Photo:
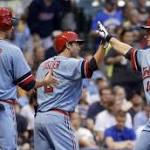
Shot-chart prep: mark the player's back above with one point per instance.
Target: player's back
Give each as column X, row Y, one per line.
column 10, row 69
column 6, row 75
column 66, row 94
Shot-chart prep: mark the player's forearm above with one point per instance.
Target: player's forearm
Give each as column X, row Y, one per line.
column 99, row 55
column 117, row 145
column 119, row 46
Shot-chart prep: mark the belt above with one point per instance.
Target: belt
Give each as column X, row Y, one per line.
column 61, row 111
column 9, row 101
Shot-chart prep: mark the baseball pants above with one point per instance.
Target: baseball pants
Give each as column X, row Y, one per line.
column 8, row 131
column 53, row 132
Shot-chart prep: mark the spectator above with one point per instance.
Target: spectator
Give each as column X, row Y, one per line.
column 38, row 56
column 50, row 52
column 85, row 137
column 97, row 107
column 83, row 104
column 22, row 33
column 142, row 9
column 110, row 16
column 120, row 95
column 101, row 83
column 44, row 18
column 142, row 117
column 119, row 136
column 106, row 118
column 137, row 105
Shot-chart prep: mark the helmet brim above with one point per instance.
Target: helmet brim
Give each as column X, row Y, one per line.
column 80, row 41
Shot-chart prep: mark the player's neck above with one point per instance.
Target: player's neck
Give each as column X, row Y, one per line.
column 65, row 53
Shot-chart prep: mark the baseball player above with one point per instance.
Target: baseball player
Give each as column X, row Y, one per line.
column 14, row 71
column 53, row 129
column 140, row 60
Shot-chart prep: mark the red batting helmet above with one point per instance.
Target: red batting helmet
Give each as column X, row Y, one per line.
column 6, row 19
column 66, row 37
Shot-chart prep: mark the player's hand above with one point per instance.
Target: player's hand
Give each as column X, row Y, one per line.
column 50, row 80
column 102, row 30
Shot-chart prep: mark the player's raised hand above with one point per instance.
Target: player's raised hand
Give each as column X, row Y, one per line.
column 50, row 80
column 103, row 32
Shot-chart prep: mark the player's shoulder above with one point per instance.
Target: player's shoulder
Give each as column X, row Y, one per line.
column 9, row 45
column 46, row 61
column 10, row 48
column 75, row 60
column 143, row 52
column 45, row 64
column 67, row 60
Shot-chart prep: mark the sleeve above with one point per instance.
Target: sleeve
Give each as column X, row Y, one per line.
column 86, row 70
column 22, row 75
column 135, row 58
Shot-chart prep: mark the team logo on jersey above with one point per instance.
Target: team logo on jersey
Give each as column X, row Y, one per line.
column 146, row 72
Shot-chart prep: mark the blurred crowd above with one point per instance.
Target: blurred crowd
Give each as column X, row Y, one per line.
column 112, row 110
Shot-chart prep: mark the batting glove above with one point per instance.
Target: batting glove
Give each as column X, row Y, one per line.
column 103, row 32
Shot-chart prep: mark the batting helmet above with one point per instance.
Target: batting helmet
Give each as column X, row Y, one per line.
column 6, row 19
column 66, row 37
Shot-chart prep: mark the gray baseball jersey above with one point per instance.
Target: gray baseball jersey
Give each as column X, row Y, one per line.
column 140, row 60
column 14, row 70
column 69, row 72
